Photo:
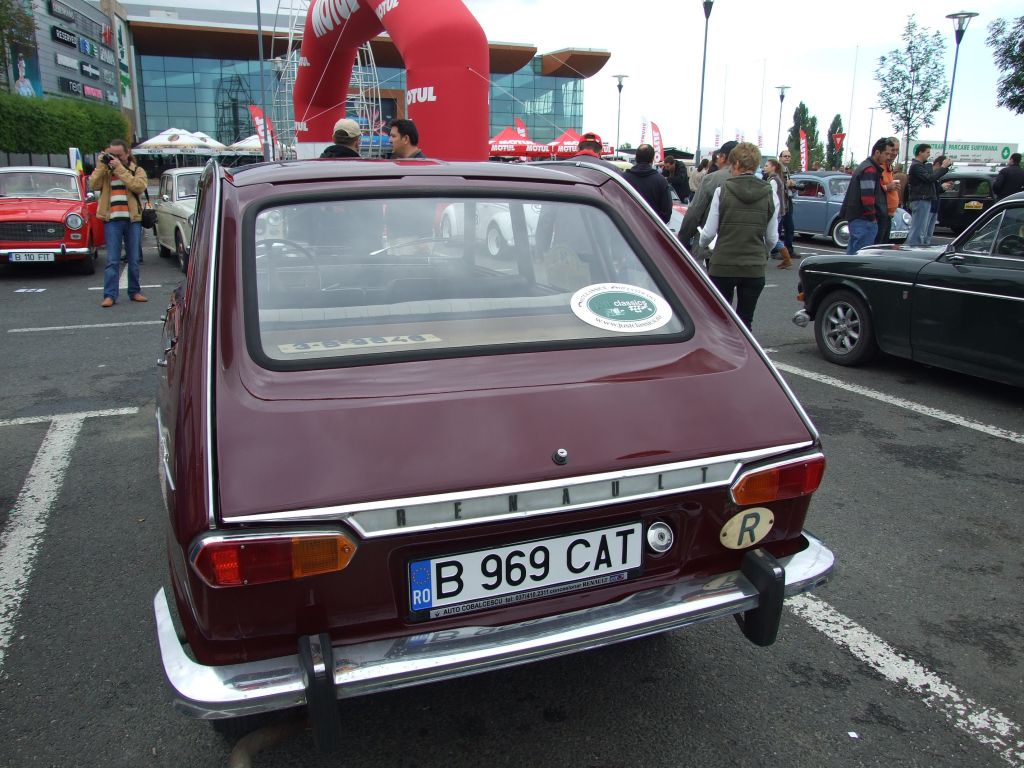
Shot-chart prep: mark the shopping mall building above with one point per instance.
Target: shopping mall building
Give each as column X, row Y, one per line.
column 200, row 70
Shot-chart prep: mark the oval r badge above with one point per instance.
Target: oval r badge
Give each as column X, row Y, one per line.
column 747, row 528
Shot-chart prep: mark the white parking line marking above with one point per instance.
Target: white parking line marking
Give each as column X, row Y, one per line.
column 78, row 415
column 20, row 539
column 100, row 287
column 23, row 534
column 899, row 402
column 986, row 725
column 77, row 327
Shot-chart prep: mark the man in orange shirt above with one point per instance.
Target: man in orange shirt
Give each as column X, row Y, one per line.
column 891, row 187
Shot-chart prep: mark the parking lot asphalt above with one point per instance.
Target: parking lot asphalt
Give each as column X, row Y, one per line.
column 910, row 656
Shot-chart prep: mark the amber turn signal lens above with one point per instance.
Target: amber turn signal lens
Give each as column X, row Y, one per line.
column 800, row 297
column 784, row 481
column 232, row 561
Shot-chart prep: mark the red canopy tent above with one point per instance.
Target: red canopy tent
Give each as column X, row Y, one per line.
column 566, row 145
column 508, row 143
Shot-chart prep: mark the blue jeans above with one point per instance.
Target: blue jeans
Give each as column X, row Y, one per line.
column 862, row 234
column 129, row 233
column 921, row 214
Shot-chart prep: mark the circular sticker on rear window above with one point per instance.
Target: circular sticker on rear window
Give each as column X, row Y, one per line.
column 620, row 308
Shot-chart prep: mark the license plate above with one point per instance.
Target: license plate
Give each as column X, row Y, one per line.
column 31, row 257
column 486, row 578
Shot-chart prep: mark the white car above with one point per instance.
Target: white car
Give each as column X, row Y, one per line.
column 493, row 224
column 175, row 205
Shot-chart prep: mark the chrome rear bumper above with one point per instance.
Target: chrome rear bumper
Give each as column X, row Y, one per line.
column 241, row 689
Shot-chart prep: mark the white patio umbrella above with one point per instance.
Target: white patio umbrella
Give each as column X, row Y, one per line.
column 249, row 146
column 174, row 141
column 209, row 141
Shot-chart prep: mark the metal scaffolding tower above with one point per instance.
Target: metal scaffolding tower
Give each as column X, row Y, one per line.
column 362, row 105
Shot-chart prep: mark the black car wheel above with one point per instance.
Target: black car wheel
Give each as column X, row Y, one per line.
column 87, row 266
column 165, row 252
column 843, row 329
column 181, row 252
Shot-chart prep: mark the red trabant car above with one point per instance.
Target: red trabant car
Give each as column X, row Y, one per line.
column 391, row 457
column 46, row 215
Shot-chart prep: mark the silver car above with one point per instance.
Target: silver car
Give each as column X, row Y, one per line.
column 175, row 204
column 816, row 203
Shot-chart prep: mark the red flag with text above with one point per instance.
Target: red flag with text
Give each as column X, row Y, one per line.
column 521, row 129
column 659, row 148
column 804, row 153
column 264, row 128
column 837, row 139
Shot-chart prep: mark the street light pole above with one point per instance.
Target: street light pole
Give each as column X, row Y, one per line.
column 618, row 120
column 871, row 127
column 960, row 22
column 778, row 131
column 703, row 69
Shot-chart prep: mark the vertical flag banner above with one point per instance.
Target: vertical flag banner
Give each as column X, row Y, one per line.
column 75, row 159
column 659, row 148
column 264, row 128
column 804, row 153
column 643, row 131
column 718, row 139
column 760, row 140
column 837, row 139
column 521, row 129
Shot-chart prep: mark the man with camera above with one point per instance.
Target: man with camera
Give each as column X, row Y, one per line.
column 120, row 181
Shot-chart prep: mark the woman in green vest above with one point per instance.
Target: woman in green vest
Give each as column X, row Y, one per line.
column 744, row 217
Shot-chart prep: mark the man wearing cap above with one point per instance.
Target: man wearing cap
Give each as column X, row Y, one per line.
column 346, row 140
column 589, row 151
column 697, row 211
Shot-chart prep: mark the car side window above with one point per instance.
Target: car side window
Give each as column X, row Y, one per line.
column 982, row 239
column 977, row 188
column 165, row 186
column 200, row 236
column 951, row 188
column 812, row 189
column 1010, row 240
column 838, row 186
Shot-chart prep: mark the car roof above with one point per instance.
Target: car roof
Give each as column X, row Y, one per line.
column 968, row 173
column 334, row 169
column 38, row 169
column 820, row 174
column 183, row 171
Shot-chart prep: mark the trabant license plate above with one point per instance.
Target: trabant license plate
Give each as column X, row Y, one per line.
column 31, row 257
column 487, row 578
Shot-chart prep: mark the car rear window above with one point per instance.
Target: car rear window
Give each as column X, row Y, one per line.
column 339, row 279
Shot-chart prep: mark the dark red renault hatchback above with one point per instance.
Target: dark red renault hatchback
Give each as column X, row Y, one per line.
column 419, row 420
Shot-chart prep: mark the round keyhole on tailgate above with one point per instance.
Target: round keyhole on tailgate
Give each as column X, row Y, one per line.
column 560, row 456
column 660, row 538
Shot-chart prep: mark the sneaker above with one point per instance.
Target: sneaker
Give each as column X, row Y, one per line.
column 139, row 297
column 107, row 302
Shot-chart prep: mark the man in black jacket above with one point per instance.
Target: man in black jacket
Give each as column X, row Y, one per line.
column 346, row 140
column 652, row 186
column 921, row 192
column 675, row 172
column 1010, row 178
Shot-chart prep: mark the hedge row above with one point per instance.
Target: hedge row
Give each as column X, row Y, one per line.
column 53, row 124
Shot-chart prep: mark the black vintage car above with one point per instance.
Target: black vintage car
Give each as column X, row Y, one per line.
column 966, row 193
column 959, row 306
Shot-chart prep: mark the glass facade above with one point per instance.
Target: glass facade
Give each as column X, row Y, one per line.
column 547, row 105
column 208, row 95
column 213, row 95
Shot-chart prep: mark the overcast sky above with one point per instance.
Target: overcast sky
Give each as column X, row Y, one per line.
column 825, row 50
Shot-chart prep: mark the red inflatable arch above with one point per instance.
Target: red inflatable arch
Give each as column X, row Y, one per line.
column 446, row 61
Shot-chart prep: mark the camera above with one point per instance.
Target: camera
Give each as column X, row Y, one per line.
column 106, row 157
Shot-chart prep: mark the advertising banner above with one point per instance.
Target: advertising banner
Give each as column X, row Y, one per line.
column 25, row 59
column 64, row 36
column 264, row 129
column 837, row 139
column 659, row 147
column 805, row 160
column 974, row 151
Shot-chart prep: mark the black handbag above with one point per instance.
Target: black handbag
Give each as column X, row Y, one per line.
column 148, row 213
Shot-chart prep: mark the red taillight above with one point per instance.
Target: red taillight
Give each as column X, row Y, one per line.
column 783, row 481
column 234, row 561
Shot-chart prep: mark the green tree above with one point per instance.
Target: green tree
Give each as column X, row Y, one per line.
column 833, row 157
column 913, row 81
column 16, row 26
column 803, row 119
column 1008, row 47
